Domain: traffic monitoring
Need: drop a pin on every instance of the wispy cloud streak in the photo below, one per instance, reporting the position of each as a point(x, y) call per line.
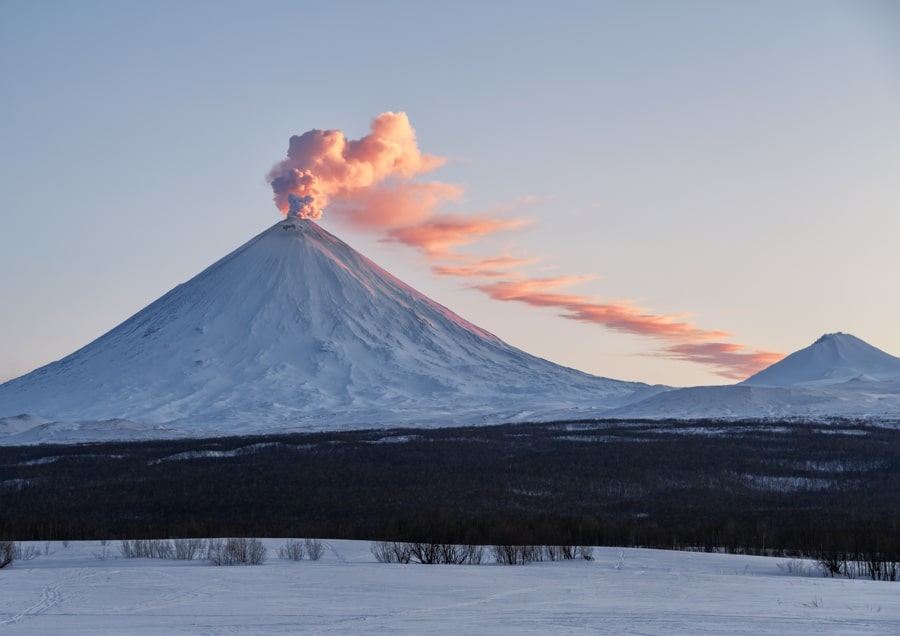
point(620, 316)
point(691, 343)
point(729, 360)
point(494, 267)
point(439, 236)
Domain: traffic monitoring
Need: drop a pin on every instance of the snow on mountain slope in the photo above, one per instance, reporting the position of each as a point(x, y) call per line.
point(837, 376)
point(832, 359)
point(877, 401)
point(293, 330)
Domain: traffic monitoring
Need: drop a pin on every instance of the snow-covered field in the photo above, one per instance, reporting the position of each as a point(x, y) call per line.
point(73, 590)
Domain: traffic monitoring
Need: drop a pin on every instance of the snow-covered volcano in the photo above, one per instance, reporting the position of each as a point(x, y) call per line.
point(832, 359)
point(838, 375)
point(295, 329)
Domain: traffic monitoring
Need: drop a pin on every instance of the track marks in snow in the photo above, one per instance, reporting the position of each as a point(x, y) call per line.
point(333, 550)
point(50, 596)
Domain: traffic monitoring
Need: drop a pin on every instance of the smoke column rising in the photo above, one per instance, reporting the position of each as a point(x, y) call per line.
point(323, 164)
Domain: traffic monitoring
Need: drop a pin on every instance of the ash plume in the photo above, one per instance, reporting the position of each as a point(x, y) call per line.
point(323, 164)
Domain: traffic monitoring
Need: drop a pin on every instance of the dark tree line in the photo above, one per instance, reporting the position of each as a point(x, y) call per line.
point(782, 488)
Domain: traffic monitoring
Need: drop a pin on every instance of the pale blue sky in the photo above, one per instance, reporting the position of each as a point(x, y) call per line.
point(738, 162)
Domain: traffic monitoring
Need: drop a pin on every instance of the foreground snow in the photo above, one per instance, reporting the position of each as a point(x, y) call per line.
point(73, 590)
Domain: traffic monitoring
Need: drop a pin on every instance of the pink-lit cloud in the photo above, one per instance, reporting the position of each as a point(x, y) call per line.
point(494, 267)
point(322, 164)
point(690, 342)
point(732, 361)
point(620, 316)
point(439, 236)
point(399, 203)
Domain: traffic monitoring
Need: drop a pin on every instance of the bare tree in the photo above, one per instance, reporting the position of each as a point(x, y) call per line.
point(474, 554)
point(506, 554)
point(146, 549)
point(7, 553)
point(130, 549)
point(560, 552)
point(391, 552)
point(382, 551)
point(452, 554)
point(314, 548)
point(423, 552)
point(240, 551)
point(427, 553)
point(25, 553)
point(189, 549)
point(292, 550)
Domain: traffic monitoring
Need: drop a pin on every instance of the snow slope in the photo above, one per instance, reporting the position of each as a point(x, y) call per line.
point(835, 358)
point(295, 330)
point(874, 401)
point(837, 376)
point(74, 590)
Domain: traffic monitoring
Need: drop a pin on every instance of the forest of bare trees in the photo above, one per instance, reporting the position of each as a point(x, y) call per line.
point(822, 490)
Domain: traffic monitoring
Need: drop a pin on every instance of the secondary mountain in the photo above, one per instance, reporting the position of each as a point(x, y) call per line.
point(839, 375)
point(832, 359)
point(295, 330)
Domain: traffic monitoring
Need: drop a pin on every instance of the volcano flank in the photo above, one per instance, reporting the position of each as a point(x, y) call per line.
point(296, 330)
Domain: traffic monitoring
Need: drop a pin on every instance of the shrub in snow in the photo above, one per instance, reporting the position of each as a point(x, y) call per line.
point(472, 554)
point(426, 552)
point(25, 553)
point(240, 551)
point(454, 554)
point(314, 548)
point(189, 549)
point(7, 553)
point(509, 554)
point(391, 552)
point(560, 552)
point(506, 554)
point(422, 552)
point(147, 549)
point(292, 550)
point(131, 549)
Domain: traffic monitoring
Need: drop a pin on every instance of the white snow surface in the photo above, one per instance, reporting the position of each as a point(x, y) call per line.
point(87, 588)
point(293, 330)
point(875, 402)
point(835, 358)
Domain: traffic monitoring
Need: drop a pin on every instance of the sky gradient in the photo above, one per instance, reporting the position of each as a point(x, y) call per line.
point(669, 192)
